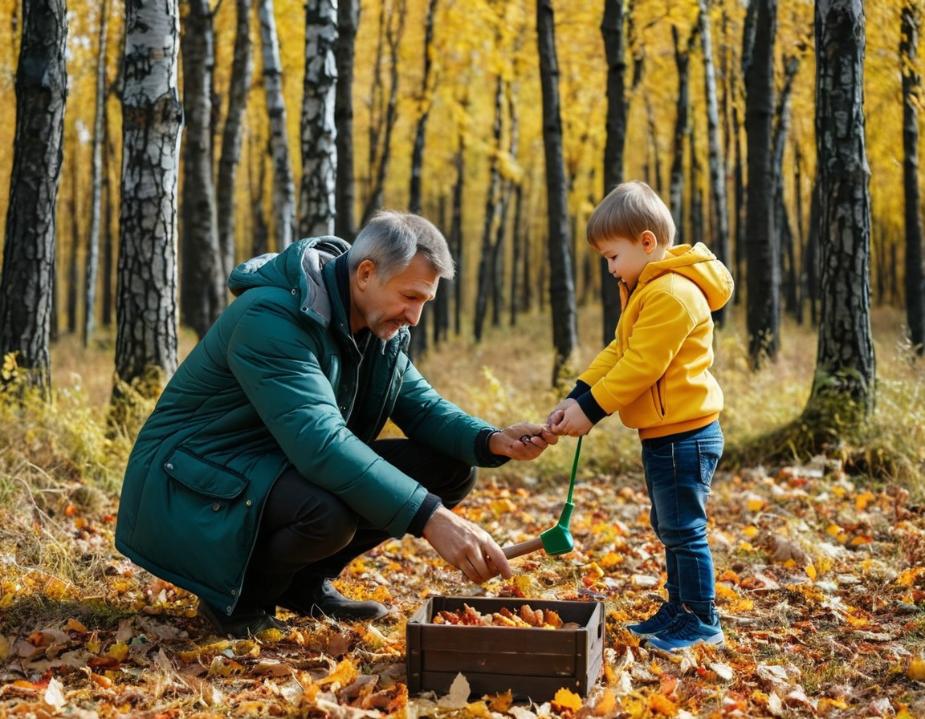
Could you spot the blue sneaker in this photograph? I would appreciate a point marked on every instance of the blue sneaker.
(658, 622)
(686, 631)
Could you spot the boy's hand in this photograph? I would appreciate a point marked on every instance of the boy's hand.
(559, 410)
(573, 422)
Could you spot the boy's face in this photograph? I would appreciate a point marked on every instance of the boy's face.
(627, 258)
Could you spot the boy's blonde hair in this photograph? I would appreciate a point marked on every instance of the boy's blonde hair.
(629, 210)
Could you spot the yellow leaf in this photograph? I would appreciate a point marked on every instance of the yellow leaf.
(566, 699)
(478, 709)
(500, 507)
(755, 504)
(916, 669)
(593, 570)
(862, 500)
(810, 571)
(118, 651)
(611, 560)
(907, 577)
(270, 635)
(344, 673)
(73, 625)
(501, 702)
(606, 705)
(4, 648)
(661, 704)
(751, 531)
(524, 584)
(725, 591)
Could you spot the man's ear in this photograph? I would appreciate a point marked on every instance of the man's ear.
(649, 241)
(364, 273)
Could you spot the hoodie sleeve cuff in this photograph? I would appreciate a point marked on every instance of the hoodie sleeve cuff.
(483, 454)
(591, 408)
(579, 389)
(419, 521)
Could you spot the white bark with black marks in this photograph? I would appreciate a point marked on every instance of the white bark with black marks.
(146, 306)
(319, 131)
(96, 182)
(283, 183)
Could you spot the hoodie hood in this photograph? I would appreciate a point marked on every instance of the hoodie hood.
(297, 269)
(700, 266)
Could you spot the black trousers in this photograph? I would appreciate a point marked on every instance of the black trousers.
(308, 534)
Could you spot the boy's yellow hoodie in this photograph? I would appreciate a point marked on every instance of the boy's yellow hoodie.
(656, 371)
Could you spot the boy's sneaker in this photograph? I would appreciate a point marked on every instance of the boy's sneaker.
(686, 631)
(658, 622)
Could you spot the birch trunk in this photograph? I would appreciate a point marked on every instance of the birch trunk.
(29, 246)
(319, 131)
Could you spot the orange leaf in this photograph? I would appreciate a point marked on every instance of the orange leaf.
(662, 705)
(606, 705)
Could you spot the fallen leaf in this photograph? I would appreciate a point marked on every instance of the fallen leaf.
(606, 705)
(723, 671)
(566, 699)
(54, 694)
(916, 669)
(459, 694)
(501, 702)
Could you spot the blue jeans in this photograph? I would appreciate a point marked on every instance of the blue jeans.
(679, 470)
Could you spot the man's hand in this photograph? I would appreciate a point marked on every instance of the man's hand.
(558, 411)
(524, 441)
(573, 422)
(466, 546)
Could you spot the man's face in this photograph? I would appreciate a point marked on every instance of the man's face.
(626, 258)
(387, 306)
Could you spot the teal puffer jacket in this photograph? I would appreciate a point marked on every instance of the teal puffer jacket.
(273, 383)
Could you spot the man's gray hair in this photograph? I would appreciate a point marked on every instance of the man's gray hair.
(391, 240)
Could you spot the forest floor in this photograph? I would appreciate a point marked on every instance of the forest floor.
(821, 575)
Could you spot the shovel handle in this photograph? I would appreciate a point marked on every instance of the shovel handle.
(518, 550)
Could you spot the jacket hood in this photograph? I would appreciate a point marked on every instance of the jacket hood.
(700, 266)
(297, 269)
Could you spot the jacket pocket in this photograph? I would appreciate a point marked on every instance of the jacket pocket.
(657, 400)
(204, 477)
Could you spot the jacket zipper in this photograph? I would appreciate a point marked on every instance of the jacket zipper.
(385, 397)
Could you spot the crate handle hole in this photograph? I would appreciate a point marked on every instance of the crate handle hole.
(600, 631)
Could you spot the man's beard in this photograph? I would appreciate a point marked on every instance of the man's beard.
(386, 329)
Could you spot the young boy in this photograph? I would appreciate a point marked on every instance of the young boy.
(656, 375)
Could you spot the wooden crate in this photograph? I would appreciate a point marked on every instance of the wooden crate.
(532, 663)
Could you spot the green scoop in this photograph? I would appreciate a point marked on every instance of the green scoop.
(557, 539)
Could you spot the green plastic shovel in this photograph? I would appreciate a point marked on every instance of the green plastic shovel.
(557, 539)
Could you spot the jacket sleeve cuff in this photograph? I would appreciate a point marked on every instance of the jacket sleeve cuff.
(419, 521)
(591, 408)
(579, 389)
(483, 454)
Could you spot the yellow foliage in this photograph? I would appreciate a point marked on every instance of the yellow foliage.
(344, 673)
(567, 699)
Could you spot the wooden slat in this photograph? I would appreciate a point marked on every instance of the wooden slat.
(497, 640)
(514, 663)
(539, 689)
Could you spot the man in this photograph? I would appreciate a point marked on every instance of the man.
(258, 476)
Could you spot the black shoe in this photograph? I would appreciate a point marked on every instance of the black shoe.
(241, 624)
(322, 599)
